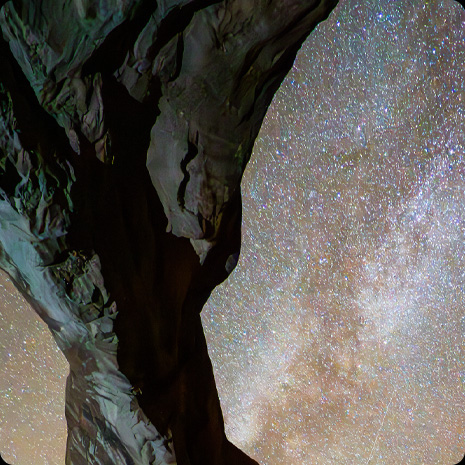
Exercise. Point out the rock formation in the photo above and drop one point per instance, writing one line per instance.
(125, 127)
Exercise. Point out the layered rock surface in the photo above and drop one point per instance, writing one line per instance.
(125, 127)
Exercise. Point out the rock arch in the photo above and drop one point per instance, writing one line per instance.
(124, 131)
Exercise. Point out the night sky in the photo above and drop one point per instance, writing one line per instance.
(339, 338)
(32, 385)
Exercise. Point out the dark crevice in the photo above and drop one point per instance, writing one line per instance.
(206, 225)
(38, 128)
(249, 59)
(192, 151)
(153, 95)
(48, 103)
(129, 122)
(9, 178)
(179, 54)
(112, 52)
(176, 22)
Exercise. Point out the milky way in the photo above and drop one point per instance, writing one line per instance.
(339, 337)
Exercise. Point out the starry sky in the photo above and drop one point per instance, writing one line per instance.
(339, 338)
(32, 385)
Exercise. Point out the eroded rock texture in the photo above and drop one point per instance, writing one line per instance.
(125, 127)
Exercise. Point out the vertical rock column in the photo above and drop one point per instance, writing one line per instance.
(125, 127)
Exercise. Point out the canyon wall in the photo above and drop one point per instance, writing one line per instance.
(125, 127)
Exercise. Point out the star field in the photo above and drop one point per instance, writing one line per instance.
(32, 385)
(339, 336)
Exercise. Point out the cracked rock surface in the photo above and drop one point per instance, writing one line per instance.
(125, 127)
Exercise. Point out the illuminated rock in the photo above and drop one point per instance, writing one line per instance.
(124, 131)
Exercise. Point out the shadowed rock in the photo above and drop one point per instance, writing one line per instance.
(125, 127)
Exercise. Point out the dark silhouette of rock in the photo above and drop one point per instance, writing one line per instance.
(125, 127)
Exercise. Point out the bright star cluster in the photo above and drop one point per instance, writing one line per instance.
(339, 338)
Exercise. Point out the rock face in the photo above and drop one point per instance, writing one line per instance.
(125, 127)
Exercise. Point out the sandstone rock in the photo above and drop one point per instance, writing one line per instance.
(125, 127)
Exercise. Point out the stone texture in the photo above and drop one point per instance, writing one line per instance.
(125, 127)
